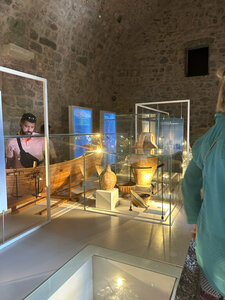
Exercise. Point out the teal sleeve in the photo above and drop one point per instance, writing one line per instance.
(191, 187)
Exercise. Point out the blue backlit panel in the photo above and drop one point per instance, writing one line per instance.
(109, 135)
(82, 125)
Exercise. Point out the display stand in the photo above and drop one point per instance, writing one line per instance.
(107, 199)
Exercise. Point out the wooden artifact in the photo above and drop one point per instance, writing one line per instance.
(124, 188)
(28, 185)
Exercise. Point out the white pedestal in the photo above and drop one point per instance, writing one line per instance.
(107, 199)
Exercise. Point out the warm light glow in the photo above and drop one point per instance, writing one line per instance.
(98, 150)
(120, 281)
(98, 134)
(146, 178)
(152, 138)
(165, 175)
(152, 151)
(160, 151)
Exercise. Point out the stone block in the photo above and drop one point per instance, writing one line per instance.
(17, 52)
(36, 47)
(33, 34)
(48, 43)
(107, 199)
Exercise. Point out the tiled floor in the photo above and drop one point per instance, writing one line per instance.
(28, 262)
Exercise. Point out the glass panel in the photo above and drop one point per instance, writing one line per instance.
(97, 273)
(67, 175)
(25, 179)
(146, 186)
(172, 133)
(26, 193)
(82, 126)
(148, 169)
(1, 227)
(109, 135)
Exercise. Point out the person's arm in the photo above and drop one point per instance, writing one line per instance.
(10, 162)
(10, 159)
(191, 187)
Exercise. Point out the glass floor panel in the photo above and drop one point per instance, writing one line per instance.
(98, 273)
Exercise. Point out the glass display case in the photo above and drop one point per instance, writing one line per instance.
(26, 199)
(145, 151)
(22, 94)
(98, 273)
(148, 162)
(147, 186)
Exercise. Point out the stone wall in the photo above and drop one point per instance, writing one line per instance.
(76, 45)
(69, 42)
(153, 69)
(109, 55)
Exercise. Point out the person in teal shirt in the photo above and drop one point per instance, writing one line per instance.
(207, 171)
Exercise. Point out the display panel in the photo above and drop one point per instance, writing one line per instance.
(80, 124)
(24, 109)
(109, 135)
(171, 133)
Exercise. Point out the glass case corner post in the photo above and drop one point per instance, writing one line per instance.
(47, 156)
(162, 193)
(84, 181)
(170, 188)
(3, 190)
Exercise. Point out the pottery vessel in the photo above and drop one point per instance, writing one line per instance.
(107, 179)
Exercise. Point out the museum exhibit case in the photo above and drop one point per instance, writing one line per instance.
(22, 93)
(26, 205)
(32, 195)
(143, 153)
(148, 161)
(99, 273)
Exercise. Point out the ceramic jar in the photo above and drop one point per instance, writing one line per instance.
(107, 179)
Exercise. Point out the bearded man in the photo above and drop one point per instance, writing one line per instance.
(32, 146)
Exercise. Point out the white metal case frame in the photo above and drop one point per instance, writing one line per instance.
(147, 105)
(3, 193)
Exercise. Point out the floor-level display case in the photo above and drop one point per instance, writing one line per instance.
(98, 273)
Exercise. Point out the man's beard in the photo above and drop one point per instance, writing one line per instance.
(26, 132)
